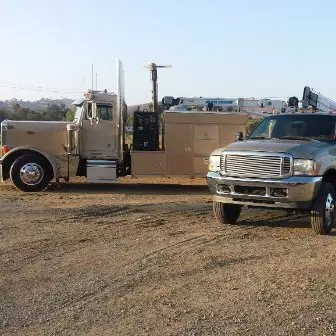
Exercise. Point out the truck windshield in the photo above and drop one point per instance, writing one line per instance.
(104, 112)
(78, 113)
(296, 126)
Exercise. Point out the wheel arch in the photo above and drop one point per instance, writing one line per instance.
(8, 159)
(330, 176)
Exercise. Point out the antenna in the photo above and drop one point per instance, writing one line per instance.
(153, 70)
(92, 77)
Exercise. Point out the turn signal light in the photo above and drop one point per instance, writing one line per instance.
(4, 149)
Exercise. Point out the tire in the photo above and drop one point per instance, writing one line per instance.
(226, 213)
(30, 173)
(323, 209)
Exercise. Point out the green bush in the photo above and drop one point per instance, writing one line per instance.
(252, 123)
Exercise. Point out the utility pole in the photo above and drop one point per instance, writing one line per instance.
(153, 72)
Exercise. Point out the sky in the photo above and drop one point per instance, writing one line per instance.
(217, 48)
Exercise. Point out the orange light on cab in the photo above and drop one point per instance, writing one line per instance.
(4, 149)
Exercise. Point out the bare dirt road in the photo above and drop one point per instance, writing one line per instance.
(149, 259)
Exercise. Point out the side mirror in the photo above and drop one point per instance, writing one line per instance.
(239, 136)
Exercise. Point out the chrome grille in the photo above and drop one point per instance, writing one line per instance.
(264, 165)
(286, 166)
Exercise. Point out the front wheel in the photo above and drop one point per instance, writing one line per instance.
(226, 213)
(323, 209)
(30, 173)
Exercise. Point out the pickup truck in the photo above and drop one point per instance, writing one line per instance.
(287, 162)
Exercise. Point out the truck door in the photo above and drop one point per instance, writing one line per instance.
(100, 130)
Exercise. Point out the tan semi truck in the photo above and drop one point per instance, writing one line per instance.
(35, 153)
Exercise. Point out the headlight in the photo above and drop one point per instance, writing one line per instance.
(304, 167)
(214, 163)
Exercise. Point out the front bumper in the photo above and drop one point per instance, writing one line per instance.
(295, 192)
(1, 174)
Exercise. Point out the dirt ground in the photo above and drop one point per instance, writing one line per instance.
(138, 258)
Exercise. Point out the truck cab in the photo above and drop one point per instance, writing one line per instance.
(92, 145)
(287, 162)
(97, 116)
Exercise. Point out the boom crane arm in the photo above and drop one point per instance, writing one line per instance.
(317, 101)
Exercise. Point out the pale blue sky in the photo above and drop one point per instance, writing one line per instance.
(217, 48)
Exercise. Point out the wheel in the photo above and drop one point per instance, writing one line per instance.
(323, 209)
(30, 172)
(226, 213)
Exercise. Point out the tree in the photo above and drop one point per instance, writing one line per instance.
(32, 115)
(23, 113)
(69, 115)
(130, 119)
(16, 108)
(2, 115)
(150, 107)
(54, 112)
(252, 123)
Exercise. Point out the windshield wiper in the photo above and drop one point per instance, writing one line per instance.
(258, 137)
(295, 137)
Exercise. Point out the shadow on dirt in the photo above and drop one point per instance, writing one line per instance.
(134, 189)
(296, 221)
(279, 219)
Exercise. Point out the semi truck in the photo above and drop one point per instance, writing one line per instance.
(93, 145)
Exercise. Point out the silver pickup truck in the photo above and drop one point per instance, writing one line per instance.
(287, 162)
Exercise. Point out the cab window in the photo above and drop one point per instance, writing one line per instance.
(89, 110)
(104, 112)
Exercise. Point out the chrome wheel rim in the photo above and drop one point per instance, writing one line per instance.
(329, 209)
(31, 173)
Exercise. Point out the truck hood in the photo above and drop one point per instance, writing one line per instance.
(303, 149)
(30, 125)
(45, 136)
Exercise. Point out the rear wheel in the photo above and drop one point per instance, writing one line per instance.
(323, 209)
(226, 213)
(30, 173)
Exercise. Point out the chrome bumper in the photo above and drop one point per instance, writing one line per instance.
(1, 175)
(296, 192)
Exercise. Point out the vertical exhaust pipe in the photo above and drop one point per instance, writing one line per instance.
(120, 112)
